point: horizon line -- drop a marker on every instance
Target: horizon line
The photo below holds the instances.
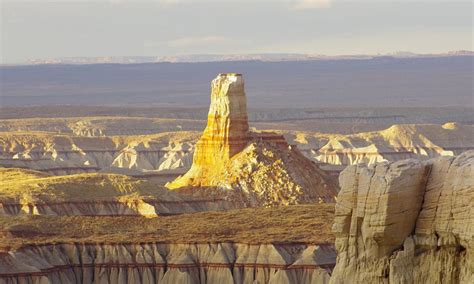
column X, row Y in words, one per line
column 232, row 57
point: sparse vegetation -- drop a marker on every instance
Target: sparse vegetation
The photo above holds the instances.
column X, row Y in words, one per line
column 291, row 224
column 28, row 184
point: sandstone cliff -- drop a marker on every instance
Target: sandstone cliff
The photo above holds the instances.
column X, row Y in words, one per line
column 164, row 263
column 406, row 222
column 252, row 169
column 287, row 244
column 64, row 154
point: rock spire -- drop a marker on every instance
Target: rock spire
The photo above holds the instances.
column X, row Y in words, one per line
column 249, row 168
column 226, row 133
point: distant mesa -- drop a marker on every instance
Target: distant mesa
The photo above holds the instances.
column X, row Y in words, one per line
column 255, row 168
column 450, row 125
column 264, row 57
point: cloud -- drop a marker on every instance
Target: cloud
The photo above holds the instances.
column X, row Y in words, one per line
column 312, row 4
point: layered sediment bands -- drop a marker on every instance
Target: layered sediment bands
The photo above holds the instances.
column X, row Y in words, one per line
column 406, row 222
column 27, row 192
column 226, row 133
column 62, row 154
column 268, row 172
column 168, row 263
column 249, row 168
column 101, row 126
column 137, row 207
column 398, row 142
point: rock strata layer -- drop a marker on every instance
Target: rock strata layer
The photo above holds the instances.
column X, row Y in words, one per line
column 63, row 155
column 172, row 153
column 226, row 133
column 138, row 207
column 249, row 168
column 168, row 263
column 406, row 222
column 27, row 192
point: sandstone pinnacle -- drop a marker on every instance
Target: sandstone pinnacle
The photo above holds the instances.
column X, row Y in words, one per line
column 249, row 168
column 226, row 133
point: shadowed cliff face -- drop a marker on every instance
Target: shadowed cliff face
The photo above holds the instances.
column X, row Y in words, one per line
column 164, row 263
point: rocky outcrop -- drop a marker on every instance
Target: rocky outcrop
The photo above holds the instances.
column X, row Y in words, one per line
column 168, row 263
column 137, row 207
column 395, row 143
column 226, row 133
column 154, row 156
column 268, row 174
column 62, row 154
column 249, row 168
column 157, row 154
column 406, row 222
column 27, row 192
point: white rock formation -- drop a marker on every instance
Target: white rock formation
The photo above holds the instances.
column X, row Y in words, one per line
column 406, row 222
column 217, row 263
column 63, row 154
column 398, row 142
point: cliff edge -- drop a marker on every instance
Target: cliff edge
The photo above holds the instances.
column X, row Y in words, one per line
column 406, row 222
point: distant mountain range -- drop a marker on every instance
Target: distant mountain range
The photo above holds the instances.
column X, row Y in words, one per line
column 266, row 57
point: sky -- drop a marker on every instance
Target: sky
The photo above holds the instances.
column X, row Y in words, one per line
column 64, row 28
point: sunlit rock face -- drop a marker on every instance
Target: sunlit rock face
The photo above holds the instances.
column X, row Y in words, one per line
column 406, row 222
column 249, row 168
column 226, row 133
column 227, row 128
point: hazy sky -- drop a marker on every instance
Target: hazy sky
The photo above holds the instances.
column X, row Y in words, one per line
column 42, row 29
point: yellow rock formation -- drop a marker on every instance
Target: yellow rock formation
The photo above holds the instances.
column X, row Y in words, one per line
column 249, row 168
column 226, row 133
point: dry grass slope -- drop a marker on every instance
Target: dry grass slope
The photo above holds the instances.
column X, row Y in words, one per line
column 27, row 184
column 292, row 224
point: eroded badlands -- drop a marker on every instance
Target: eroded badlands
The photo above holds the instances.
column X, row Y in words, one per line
column 153, row 200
